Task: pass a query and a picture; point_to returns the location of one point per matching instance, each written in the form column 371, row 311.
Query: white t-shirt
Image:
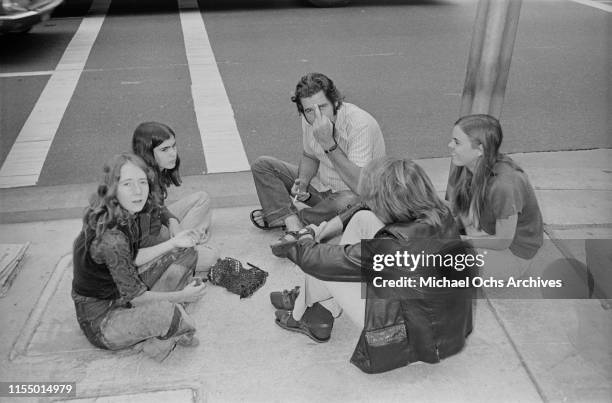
column 357, row 134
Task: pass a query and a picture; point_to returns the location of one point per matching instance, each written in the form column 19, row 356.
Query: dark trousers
column 273, row 181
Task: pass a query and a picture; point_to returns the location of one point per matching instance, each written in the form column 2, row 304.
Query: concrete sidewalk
column 521, row 350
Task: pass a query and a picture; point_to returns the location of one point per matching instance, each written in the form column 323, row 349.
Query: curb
column 60, row 202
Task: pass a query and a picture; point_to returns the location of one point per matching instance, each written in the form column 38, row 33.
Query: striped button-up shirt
column 357, row 134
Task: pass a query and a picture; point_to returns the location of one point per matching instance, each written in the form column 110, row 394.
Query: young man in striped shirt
column 338, row 140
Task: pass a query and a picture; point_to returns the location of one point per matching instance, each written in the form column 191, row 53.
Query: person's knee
column 364, row 217
column 263, row 164
column 363, row 225
column 202, row 198
column 159, row 312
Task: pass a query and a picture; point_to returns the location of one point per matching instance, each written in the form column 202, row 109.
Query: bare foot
column 261, row 221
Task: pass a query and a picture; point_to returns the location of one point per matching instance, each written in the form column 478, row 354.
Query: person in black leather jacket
column 403, row 205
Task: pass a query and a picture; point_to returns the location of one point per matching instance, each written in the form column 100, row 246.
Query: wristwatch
column 330, row 149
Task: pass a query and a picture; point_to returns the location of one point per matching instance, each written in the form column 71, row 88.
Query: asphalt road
column 403, row 61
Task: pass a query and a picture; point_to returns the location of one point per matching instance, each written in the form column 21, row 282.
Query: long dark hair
column 468, row 189
column 104, row 210
column 147, row 136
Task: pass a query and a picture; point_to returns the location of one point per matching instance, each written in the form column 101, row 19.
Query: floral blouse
column 113, row 250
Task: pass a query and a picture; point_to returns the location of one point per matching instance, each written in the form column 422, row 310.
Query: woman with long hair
column 492, row 198
column 124, row 293
column 155, row 143
column 403, row 205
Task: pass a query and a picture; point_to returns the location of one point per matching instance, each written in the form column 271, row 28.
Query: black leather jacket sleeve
column 346, row 215
column 328, row 262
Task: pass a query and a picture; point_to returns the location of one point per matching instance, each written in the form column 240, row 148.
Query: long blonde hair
column 400, row 191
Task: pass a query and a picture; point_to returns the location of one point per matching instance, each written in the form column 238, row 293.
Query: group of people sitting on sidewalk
column 138, row 261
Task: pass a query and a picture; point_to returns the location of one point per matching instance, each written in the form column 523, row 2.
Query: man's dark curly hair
column 312, row 83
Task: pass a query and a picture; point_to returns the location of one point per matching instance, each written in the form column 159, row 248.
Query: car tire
column 329, row 3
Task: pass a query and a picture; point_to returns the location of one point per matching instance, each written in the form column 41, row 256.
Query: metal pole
column 489, row 59
column 490, row 55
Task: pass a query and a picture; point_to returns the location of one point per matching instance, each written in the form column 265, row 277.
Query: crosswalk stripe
column 25, row 161
column 223, row 148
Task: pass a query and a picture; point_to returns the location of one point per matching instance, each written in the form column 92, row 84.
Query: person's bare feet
column 258, row 217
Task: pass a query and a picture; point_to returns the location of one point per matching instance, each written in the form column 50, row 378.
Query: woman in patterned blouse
column 125, row 294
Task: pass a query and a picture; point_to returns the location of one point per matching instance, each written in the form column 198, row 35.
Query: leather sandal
column 284, row 299
column 265, row 226
column 288, row 241
column 320, row 333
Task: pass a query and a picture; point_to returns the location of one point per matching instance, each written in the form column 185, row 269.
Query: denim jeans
column 194, row 212
column 110, row 325
column 273, row 181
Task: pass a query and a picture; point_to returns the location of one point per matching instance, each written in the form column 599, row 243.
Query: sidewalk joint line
column 29, row 328
column 518, row 353
column 574, row 226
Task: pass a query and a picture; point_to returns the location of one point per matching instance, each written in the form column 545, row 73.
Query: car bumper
column 25, row 19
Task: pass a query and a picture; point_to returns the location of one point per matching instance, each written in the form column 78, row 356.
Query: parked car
column 21, row 15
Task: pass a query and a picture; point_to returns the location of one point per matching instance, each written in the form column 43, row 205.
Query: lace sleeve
column 113, row 250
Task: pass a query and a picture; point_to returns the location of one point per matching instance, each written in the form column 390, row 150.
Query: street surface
column 403, row 61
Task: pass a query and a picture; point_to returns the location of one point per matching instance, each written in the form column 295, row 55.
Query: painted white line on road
column 221, row 141
column 594, row 4
column 26, row 74
column 24, row 162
